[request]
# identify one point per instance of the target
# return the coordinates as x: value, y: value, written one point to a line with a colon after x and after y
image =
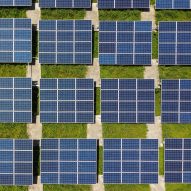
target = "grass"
x: 64, y: 131
x: 124, y: 130
x: 95, y: 44
x: 13, y: 188
x: 161, y: 160
x: 155, y: 45
x: 174, y: 72
x: 152, y: 2
x: 97, y: 105
x: 13, y: 12
x: 157, y: 102
x: 130, y: 15
x: 125, y: 187
x: 100, y: 161
x: 122, y: 71
x: 173, y: 15
x: 176, y: 130
x: 66, y: 187
x: 63, y: 71
x: 12, y: 70
x: 178, y: 187
x: 12, y: 130
x: 62, y: 14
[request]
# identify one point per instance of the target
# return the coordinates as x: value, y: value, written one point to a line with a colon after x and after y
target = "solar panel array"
x: 69, y: 161
x: 176, y: 101
x: 65, y: 42
x: 127, y: 101
x: 123, y: 4
x: 10, y: 3
x: 130, y: 161
x: 125, y: 43
x: 15, y: 100
x: 173, y: 4
x: 67, y: 100
x: 15, y: 41
x: 65, y: 3
x: 16, y: 162
x: 174, y: 43
x: 178, y: 161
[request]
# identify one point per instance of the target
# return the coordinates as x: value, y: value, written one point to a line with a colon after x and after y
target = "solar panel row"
x: 15, y: 100
x: 16, y: 162
x: 176, y: 101
x: 173, y: 4
x: 125, y: 43
x: 15, y: 41
x: 10, y: 3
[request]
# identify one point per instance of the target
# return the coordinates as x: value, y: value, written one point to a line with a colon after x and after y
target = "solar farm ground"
x: 112, y: 130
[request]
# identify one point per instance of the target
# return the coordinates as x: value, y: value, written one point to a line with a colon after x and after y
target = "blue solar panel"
x: 69, y: 161
x: 65, y: 3
x: 174, y: 43
x: 173, y: 4
x: 123, y: 4
x: 130, y: 161
x: 15, y: 100
x: 177, y: 160
x: 15, y: 41
x: 16, y: 162
x: 10, y: 3
x: 65, y: 42
x: 127, y: 101
x: 176, y: 101
x: 67, y: 101
x: 125, y: 43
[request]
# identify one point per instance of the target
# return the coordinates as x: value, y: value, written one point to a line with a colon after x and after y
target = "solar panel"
x: 173, y: 4
x: 123, y: 4
x: 65, y: 42
x: 10, y: 3
x: 15, y: 100
x: 15, y: 41
x: 125, y: 43
x: 174, y: 43
x: 67, y: 100
x: 65, y: 3
x: 130, y: 161
x: 176, y: 101
x: 69, y: 161
x: 16, y: 162
x: 127, y: 101
x: 178, y: 161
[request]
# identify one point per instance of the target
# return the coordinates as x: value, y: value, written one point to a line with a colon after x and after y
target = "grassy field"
x: 62, y: 14
x: 63, y: 71
x: 11, y: 70
x: 176, y: 130
x: 122, y: 71
x: 155, y: 45
x: 130, y: 15
x: 13, y: 188
x: 100, y: 160
x: 95, y: 44
x: 13, y: 130
x: 64, y: 131
x: 66, y: 188
x: 13, y: 12
x: 178, y: 187
x: 161, y: 161
x: 157, y: 102
x: 125, y: 187
x: 124, y: 130
x: 98, y: 101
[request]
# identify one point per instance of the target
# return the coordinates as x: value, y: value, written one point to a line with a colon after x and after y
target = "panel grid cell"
x: 173, y: 4
x: 125, y: 43
x: 16, y: 162
x: 174, y: 43
x: 123, y: 4
x: 130, y: 161
x: 67, y: 101
x: 178, y: 161
x: 15, y: 100
x: 15, y: 3
x: 127, y: 101
x: 65, y: 3
x: 15, y: 41
x: 69, y: 161
x: 176, y: 101
x: 65, y: 42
